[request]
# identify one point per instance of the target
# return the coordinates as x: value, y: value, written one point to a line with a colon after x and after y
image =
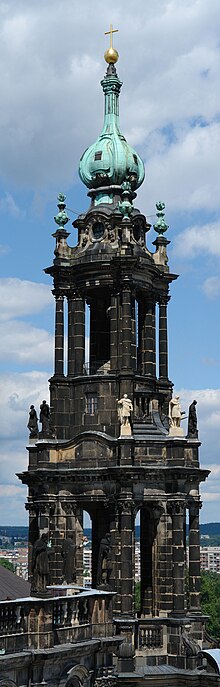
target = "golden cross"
x: 107, y: 33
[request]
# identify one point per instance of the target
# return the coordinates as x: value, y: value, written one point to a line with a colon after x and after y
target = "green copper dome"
x: 111, y: 160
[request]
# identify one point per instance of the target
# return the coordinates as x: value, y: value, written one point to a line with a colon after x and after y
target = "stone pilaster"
x: 194, y: 556
x: 163, y: 344
x: 59, y: 334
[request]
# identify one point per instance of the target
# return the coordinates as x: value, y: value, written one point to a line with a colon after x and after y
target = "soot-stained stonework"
x: 112, y: 291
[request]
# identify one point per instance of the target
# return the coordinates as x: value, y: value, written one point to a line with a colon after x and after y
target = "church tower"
x: 114, y: 446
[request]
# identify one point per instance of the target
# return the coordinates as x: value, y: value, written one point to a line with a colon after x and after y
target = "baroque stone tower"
x: 90, y: 459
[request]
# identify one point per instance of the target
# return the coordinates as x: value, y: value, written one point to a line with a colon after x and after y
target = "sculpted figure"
x: 68, y: 555
x: 104, y: 561
x: 192, y: 420
x: 175, y: 412
x: 40, y: 564
x: 125, y: 408
x: 32, y: 423
x: 44, y: 417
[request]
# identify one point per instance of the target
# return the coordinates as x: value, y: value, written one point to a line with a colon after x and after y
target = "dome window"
x: 98, y: 155
x: 135, y: 159
x: 98, y: 230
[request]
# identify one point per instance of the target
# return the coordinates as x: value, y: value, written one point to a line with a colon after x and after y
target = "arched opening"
x: 148, y: 558
x: 87, y: 550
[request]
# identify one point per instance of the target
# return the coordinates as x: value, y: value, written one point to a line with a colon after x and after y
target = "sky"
x: 51, y: 64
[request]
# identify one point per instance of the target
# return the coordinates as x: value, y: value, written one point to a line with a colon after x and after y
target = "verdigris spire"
x: 110, y: 160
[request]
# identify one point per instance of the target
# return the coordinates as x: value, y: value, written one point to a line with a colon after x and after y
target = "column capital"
x: 163, y: 299
x: 58, y: 294
x: 176, y: 507
x: 32, y: 509
x: 69, y: 508
x: 127, y: 507
x: 194, y: 506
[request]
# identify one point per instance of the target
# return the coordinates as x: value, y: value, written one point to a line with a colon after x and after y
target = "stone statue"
x: 33, y: 423
x: 192, y: 421
x: 104, y: 561
x: 68, y: 555
x: 44, y: 417
x: 175, y: 411
x: 40, y: 564
x: 125, y: 408
x: 175, y: 417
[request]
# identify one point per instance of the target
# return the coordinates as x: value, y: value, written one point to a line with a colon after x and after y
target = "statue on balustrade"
x: 192, y: 421
x: 45, y: 417
x: 33, y: 423
x: 175, y: 417
x: 104, y: 562
x: 40, y: 565
x: 125, y: 409
x: 68, y: 554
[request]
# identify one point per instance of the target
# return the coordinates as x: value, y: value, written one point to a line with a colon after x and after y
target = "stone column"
x: 163, y: 347
x: 194, y: 556
x: 114, y: 332
x: 150, y: 339
x: 59, y: 335
x: 127, y: 515
x: 79, y: 336
x: 115, y: 553
x: 178, y: 520
x: 71, y: 343
x: 127, y: 328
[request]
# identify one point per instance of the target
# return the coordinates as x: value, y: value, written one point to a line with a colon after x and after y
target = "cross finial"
x: 107, y: 33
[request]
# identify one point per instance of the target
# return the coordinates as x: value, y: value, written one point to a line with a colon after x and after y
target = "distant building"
x: 210, y: 558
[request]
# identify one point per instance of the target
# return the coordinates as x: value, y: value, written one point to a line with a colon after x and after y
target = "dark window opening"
x: 91, y: 404
x: 98, y: 230
x: 98, y: 155
x: 135, y: 159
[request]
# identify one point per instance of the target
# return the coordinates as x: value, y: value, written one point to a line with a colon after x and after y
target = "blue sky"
x: 51, y: 64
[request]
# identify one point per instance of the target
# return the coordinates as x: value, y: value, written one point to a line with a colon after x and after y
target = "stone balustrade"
x: 35, y: 623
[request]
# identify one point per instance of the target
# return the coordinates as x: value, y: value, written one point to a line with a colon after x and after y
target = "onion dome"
x: 111, y: 160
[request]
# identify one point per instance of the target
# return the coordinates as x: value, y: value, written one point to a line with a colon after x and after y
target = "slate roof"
x: 12, y: 586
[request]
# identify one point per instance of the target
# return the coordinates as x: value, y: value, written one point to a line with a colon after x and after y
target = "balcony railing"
x: 98, y: 367
x: 34, y: 623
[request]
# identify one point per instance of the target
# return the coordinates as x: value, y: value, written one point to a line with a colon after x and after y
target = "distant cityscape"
x: 14, y: 548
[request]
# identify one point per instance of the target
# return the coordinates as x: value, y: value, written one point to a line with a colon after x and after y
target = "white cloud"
x: 19, y: 298
x: 198, y: 240
x: 8, y: 490
x: 17, y: 392
x: 211, y: 287
x: 207, y: 496
x: 185, y: 170
x: 208, y: 412
x: 57, y: 91
x: 9, y: 206
x: 22, y: 343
